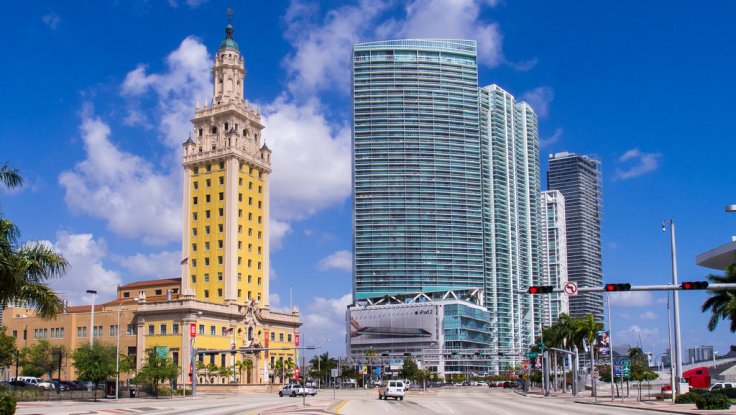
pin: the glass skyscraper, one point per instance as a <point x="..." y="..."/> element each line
<point x="446" y="182"/>
<point x="554" y="240"/>
<point x="416" y="166"/>
<point x="578" y="178"/>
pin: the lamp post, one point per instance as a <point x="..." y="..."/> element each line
<point x="676" y="306"/>
<point x="610" y="345"/>
<point x="117" y="348"/>
<point x="92" y="317"/>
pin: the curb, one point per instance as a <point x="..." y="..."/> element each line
<point x="655" y="409"/>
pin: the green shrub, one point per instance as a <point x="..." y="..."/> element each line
<point x="7" y="405"/>
<point x="713" y="401"/>
<point x="689" y="397"/>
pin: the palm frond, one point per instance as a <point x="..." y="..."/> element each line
<point x="42" y="298"/>
<point x="10" y="177"/>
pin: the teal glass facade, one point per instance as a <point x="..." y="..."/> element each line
<point x="446" y="186"/>
<point x="416" y="166"/>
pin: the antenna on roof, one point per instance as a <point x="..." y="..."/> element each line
<point x="229" y="15"/>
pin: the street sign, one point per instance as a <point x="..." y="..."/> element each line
<point x="541" y="346"/>
<point x="617" y="368"/>
<point x="334" y="373"/>
<point x="626" y="367"/>
<point x="531" y="355"/>
<point x="571" y="288"/>
<point x="595" y="373"/>
<point x="192" y="330"/>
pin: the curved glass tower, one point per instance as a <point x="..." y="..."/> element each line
<point x="416" y="165"/>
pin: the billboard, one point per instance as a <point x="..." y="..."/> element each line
<point x="604" y="343"/>
<point x="393" y="324"/>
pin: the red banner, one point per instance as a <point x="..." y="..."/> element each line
<point x="192" y="330"/>
<point x="265" y="341"/>
<point x="296" y="339"/>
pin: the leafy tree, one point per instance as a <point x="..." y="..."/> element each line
<point x="26" y="268"/>
<point x="127" y="363"/>
<point x="7" y="349"/>
<point x="722" y="304"/>
<point x="640" y="371"/>
<point x="94" y="363"/>
<point x="410" y="370"/>
<point x="322" y="365"/>
<point x="210" y="370"/>
<point x="157" y="369"/>
<point x="40" y="359"/>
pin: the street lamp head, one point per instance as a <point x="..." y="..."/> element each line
<point x="136" y="299"/>
<point x="664" y="226"/>
<point x="91" y="292"/>
<point x="730" y="208"/>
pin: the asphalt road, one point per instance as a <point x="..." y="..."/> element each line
<point x="460" y="400"/>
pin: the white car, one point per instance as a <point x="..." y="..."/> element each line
<point x="293" y="390"/>
<point x="392" y="389"/>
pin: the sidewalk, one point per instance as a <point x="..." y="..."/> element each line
<point x="665" y="406"/>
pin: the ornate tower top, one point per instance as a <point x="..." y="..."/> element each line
<point x="229" y="42"/>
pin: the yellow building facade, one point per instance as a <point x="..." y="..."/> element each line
<point x="220" y="305"/>
<point x="225" y="242"/>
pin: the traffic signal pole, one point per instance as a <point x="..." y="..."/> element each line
<point x="661" y="287"/>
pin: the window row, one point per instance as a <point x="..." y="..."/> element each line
<point x="221" y="180"/>
<point x="221" y="213"/>
<point x="221" y="166"/>
<point x="220" y="261"/>
<point x="221" y="196"/>
<point x="219" y="278"/>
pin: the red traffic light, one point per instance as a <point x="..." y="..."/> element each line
<point x="694" y="285"/>
<point x="540" y="289"/>
<point x="617" y="287"/>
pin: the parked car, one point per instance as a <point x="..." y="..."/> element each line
<point x="60" y="386"/>
<point x="45" y="385"/>
<point x="292" y="390"/>
<point x="666" y="391"/>
<point x="726" y="388"/>
<point x="310" y="390"/>
<point x="392" y="389"/>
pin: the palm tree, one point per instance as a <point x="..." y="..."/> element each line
<point x="26" y="268"/>
<point x="586" y="329"/>
<point x="282" y="368"/>
<point x="244" y="366"/>
<point x="10" y="177"/>
<point x="722" y="304"/>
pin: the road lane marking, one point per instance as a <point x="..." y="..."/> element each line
<point x="337" y="409"/>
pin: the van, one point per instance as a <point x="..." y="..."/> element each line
<point x="392" y="389"/>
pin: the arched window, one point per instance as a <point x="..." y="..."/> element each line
<point x="250" y="333"/>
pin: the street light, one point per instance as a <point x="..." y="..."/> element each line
<point x="676" y="306"/>
<point x="730" y="208"/>
<point x="92" y="317"/>
<point x="117" y="348"/>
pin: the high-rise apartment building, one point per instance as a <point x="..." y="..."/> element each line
<point x="578" y="178"/>
<point x="511" y="223"/>
<point x="446" y="184"/>
<point x="416" y="167"/>
<point x="554" y="249"/>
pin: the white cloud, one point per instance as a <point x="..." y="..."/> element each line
<point x="457" y="19"/>
<point x="275" y="303"/>
<point x="86" y="270"/>
<point x="523" y="66"/>
<point x="554" y="138"/>
<point x="185" y="81"/>
<point x="639" y="163"/>
<point x="634" y="334"/>
<point x="539" y="98"/>
<point x="324" y="323"/>
<point x="631" y="299"/>
<point x="279" y="230"/>
<point x="322" y="55"/>
<point x="51" y="20"/>
<point x="311" y="159"/>
<point x="193" y="4"/>
<point x="164" y="264"/>
<point x="340" y="260"/>
<point x="648" y="315"/>
<point x="122" y="189"/>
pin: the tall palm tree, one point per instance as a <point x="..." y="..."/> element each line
<point x="587" y="329"/>
<point x="244" y="366"/>
<point x="722" y="304"/>
<point x="26" y="268"/>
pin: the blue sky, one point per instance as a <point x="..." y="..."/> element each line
<point x="97" y="97"/>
